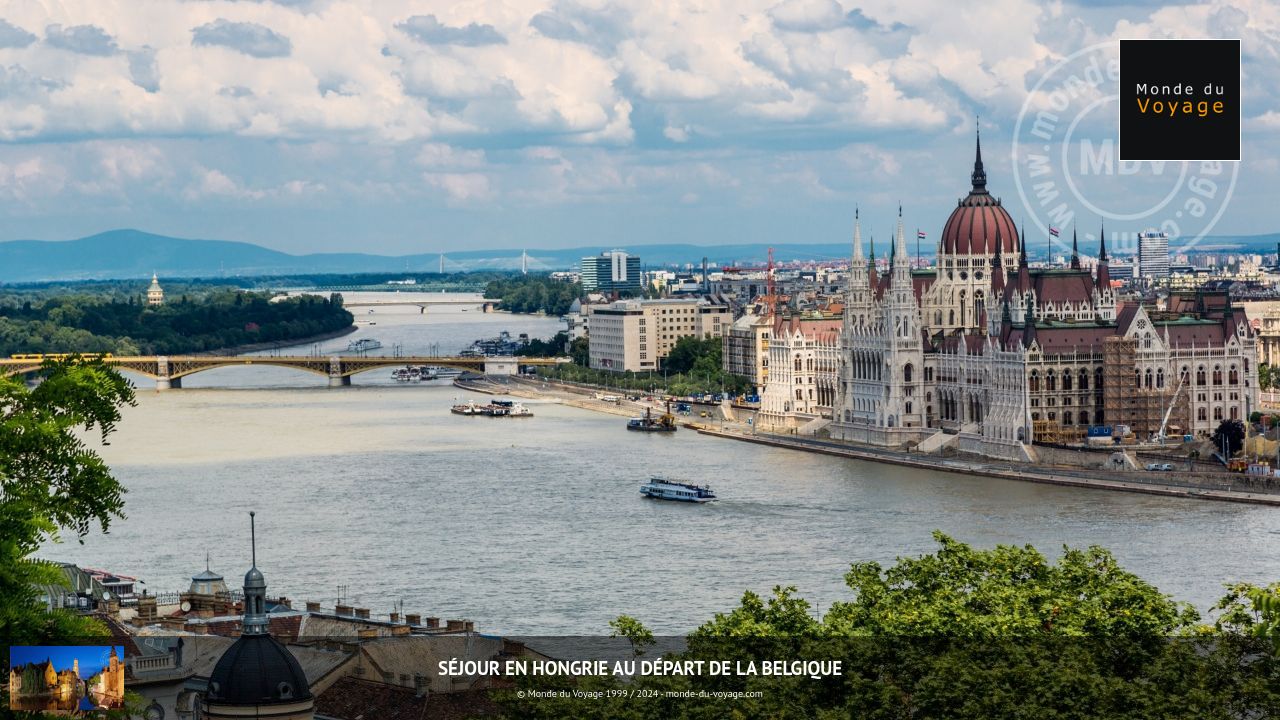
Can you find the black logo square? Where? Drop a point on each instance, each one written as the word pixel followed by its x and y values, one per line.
pixel 1180 100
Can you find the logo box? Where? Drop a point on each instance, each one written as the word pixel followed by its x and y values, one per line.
pixel 1180 100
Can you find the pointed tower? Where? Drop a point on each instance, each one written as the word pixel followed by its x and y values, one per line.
pixel 995 297
pixel 257 676
pixel 873 274
pixel 1105 300
pixel 860 296
pixel 255 589
pixel 979 176
pixel 155 293
pixel 1075 249
pixel 904 356
pixel 1029 333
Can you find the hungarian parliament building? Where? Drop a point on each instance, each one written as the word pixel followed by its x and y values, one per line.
pixel 998 354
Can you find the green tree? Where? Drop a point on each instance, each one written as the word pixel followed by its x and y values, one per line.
pixel 580 351
pixel 964 633
pixel 634 631
pixel 51 482
pixel 1230 434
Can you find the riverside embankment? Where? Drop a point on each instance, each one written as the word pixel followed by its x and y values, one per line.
pixel 1190 485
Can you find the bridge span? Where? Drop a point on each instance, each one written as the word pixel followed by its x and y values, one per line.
pixel 168 371
pixel 422 303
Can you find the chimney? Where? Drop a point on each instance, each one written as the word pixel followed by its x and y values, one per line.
pixel 468 625
pixel 413 619
pixel 395 617
pixel 343 610
pixel 433 622
pixel 362 613
pixel 313 607
pixel 454 625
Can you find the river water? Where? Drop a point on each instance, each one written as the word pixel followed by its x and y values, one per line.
pixel 536 526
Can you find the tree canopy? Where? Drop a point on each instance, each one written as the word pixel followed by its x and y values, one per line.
pixel 533 293
pixel 51 482
pixel 965 633
pixel 211 320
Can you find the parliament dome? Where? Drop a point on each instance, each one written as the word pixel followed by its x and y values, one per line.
pixel 979 220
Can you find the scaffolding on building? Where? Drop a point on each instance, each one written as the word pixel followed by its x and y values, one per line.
pixel 1140 405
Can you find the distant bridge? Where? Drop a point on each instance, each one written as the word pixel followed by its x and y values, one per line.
pixel 168 371
pixel 423 303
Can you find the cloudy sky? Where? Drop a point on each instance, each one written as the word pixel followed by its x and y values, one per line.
pixel 397 126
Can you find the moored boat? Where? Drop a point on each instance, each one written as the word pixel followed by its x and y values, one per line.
pixel 663 489
pixel 467 408
pixel 665 422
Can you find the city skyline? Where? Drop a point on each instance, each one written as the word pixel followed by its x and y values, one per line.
pixel 326 125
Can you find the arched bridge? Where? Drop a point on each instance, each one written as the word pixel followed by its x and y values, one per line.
pixel 168 371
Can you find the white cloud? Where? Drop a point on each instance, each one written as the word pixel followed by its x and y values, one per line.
pixel 461 188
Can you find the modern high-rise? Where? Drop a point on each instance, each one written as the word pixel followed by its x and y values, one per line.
pixel 635 335
pixel 1153 254
pixel 612 272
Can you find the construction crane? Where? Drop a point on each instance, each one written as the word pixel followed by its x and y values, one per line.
pixel 1160 436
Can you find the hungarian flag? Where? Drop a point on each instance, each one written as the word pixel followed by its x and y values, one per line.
pixel 1053 231
pixel 920 235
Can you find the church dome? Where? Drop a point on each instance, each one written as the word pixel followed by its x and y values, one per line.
pixel 257 670
pixel 979 220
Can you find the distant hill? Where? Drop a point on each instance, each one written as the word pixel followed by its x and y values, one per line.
pixel 122 254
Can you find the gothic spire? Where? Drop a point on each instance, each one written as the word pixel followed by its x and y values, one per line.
pixel 857 237
pixel 1028 330
pixel 1104 267
pixel 979 175
pixel 997 266
pixel 900 240
pixel 1075 249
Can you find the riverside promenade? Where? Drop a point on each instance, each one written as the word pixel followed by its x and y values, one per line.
pixel 1050 475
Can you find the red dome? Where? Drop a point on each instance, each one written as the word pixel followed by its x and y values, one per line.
pixel 979 219
pixel 982 218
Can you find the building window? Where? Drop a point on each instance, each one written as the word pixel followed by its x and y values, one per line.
pixel 1217 413
pixel 907 372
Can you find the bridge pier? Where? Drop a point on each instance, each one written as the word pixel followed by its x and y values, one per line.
pixel 168 383
pixel 336 377
pixel 501 366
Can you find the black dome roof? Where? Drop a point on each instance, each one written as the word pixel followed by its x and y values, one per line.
pixel 257 670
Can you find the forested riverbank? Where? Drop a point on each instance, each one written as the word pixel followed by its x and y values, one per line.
pixel 123 324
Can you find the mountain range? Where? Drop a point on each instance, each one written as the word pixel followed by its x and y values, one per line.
pixel 124 254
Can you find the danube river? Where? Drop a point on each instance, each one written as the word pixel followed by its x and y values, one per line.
pixel 535 526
